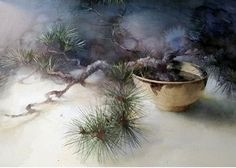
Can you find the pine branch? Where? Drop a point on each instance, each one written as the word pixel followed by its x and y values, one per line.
pixel 98 65
pixel 94 135
pixel 116 124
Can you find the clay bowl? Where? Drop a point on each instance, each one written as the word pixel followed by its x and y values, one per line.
pixel 175 96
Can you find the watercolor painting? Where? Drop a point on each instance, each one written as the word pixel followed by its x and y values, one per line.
pixel 117 83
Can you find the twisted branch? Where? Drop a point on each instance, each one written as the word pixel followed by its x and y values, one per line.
pixel 98 65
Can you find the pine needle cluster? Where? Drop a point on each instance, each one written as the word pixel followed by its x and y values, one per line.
pixel 217 44
pixel 224 71
pixel 62 37
pixel 12 60
pixel 18 57
pixel 115 126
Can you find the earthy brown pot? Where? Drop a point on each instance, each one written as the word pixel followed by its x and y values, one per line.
pixel 175 96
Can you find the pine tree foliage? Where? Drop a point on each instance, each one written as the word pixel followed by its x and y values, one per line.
pixel 114 127
pixel 62 37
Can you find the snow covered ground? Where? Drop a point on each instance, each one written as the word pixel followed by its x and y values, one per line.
pixel 205 135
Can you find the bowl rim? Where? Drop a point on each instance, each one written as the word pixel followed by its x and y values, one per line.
pixel 204 76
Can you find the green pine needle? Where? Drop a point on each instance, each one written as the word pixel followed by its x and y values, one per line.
pixel 16 57
pixel 124 103
pixel 22 55
pixel 13 60
pixel 121 73
pixel 94 135
pixel 224 74
pixel 66 37
pixel 227 82
pixel 45 63
pixel 127 121
pixel 127 96
pixel 112 130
